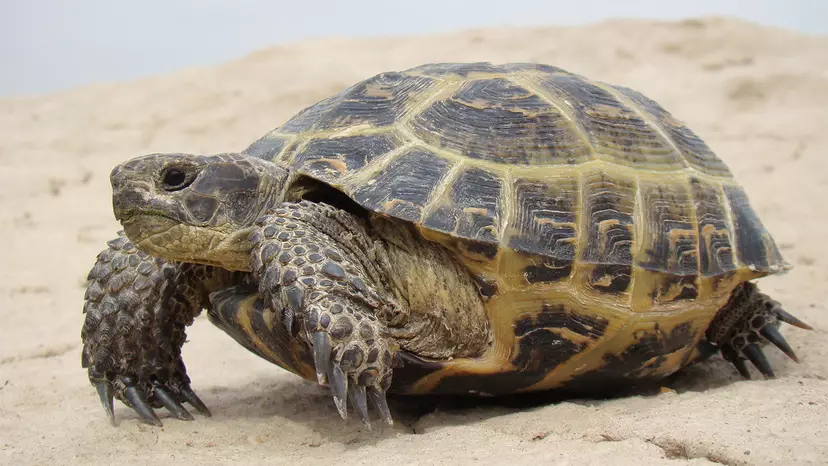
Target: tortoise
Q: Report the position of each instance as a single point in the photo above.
(454, 228)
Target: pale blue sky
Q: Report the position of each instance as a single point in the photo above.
(49, 45)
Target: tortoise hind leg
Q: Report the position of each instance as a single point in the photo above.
(748, 322)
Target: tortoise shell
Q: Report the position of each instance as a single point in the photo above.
(604, 233)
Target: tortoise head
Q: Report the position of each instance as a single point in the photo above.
(193, 208)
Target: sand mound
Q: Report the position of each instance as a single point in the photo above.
(758, 95)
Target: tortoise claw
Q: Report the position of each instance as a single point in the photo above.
(757, 357)
(321, 355)
(194, 400)
(737, 360)
(104, 389)
(742, 367)
(356, 393)
(288, 316)
(771, 333)
(168, 400)
(378, 399)
(339, 388)
(138, 401)
(784, 316)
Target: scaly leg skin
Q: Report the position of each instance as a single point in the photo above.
(137, 308)
(747, 322)
(318, 266)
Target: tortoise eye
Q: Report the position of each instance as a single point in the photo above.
(175, 179)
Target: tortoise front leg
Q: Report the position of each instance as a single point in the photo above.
(318, 268)
(137, 308)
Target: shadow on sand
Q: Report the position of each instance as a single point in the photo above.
(312, 406)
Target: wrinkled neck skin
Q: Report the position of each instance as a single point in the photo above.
(207, 218)
(446, 316)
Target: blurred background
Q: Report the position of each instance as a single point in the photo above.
(52, 45)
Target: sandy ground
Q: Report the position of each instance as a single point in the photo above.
(758, 95)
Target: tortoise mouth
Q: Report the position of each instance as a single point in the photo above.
(169, 239)
(144, 225)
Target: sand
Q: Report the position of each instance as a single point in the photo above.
(758, 95)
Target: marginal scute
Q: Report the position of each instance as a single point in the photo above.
(545, 227)
(756, 248)
(499, 121)
(715, 244)
(557, 317)
(668, 265)
(487, 288)
(541, 349)
(608, 209)
(549, 271)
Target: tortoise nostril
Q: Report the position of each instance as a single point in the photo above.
(127, 200)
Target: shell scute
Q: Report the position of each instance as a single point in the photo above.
(269, 146)
(695, 151)
(670, 238)
(756, 248)
(716, 255)
(455, 69)
(470, 208)
(403, 188)
(615, 130)
(499, 121)
(376, 102)
(545, 224)
(667, 264)
(609, 226)
(330, 158)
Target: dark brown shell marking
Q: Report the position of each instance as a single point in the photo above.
(541, 349)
